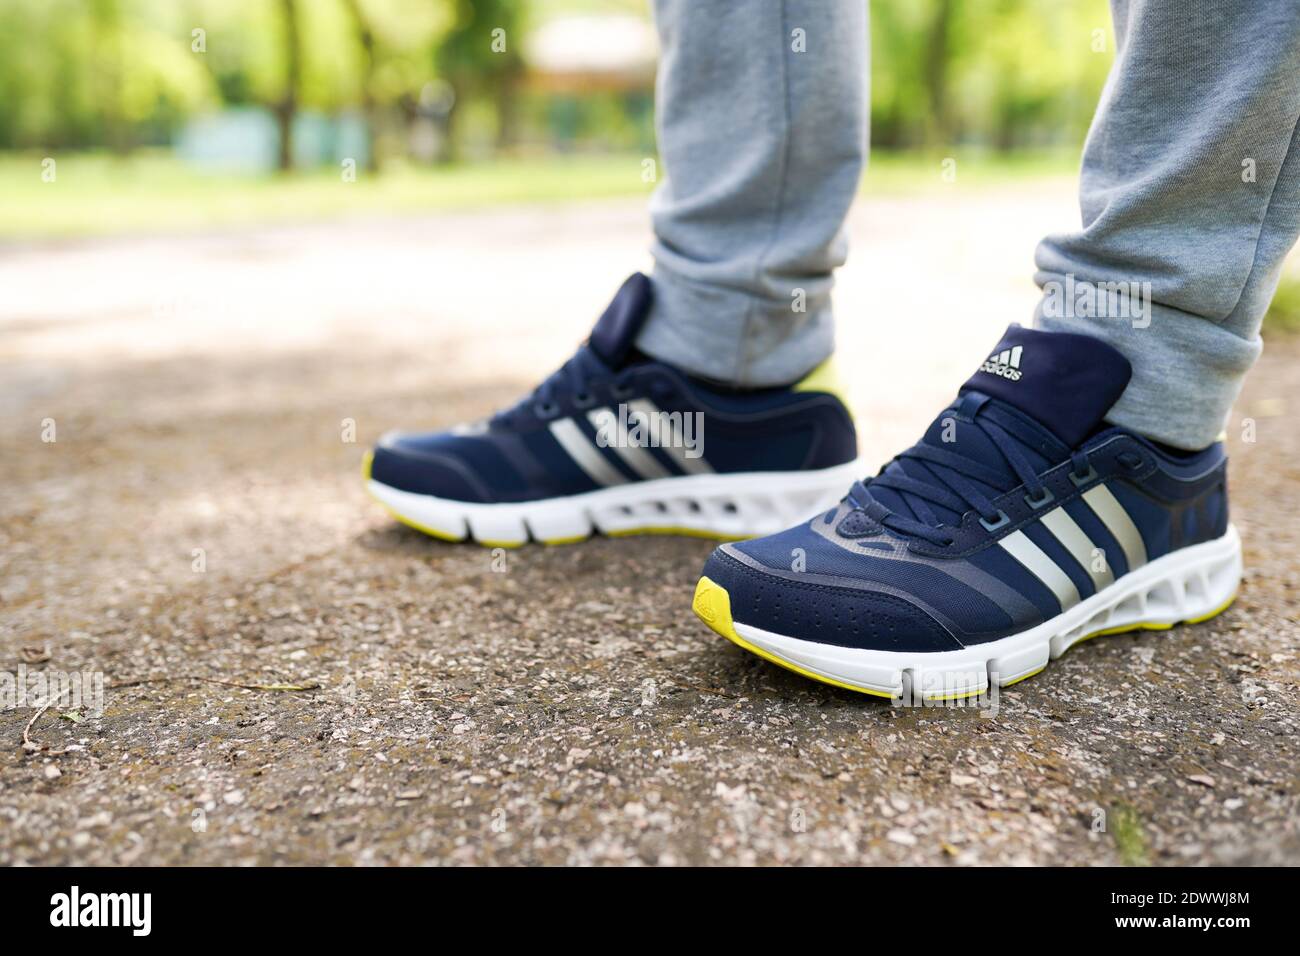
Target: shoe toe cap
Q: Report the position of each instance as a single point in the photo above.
(811, 607)
(419, 465)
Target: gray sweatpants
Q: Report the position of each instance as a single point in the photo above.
(1189, 192)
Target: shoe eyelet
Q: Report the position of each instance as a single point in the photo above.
(1002, 521)
(1045, 498)
(546, 410)
(621, 392)
(1087, 476)
(584, 400)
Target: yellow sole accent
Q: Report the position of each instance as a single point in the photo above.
(962, 696)
(1215, 613)
(712, 604)
(367, 463)
(1156, 625)
(1024, 676)
(576, 539)
(431, 532)
(1126, 629)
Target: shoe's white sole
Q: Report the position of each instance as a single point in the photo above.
(727, 506)
(1190, 585)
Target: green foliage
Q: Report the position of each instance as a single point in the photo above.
(1006, 73)
(483, 41)
(74, 72)
(121, 73)
(480, 56)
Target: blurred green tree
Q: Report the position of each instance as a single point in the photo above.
(480, 56)
(1001, 73)
(286, 107)
(365, 34)
(77, 73)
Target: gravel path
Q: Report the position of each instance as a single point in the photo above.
(199, 524)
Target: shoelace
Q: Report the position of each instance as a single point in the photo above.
(575, 377)
(951, 488)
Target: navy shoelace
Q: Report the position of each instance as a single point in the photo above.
(949, 486)
(574, 378)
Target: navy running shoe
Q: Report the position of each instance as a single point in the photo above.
(618, 443)
(1017, 527)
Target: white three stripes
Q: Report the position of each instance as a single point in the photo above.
(676, 447)
(1118, 523)
(1038, 564)
(586, 455)
(636, 457)
(598, 468)
(1081, 547)
(1065, 530)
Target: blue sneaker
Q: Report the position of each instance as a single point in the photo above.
(1018, 526)
(617, 443)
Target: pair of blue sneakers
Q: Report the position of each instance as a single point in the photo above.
(1019, 525)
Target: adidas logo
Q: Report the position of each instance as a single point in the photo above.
(1005, 363)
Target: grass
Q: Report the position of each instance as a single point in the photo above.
(95, 195)
(910, 173)
(1130, 836)
(101, 195)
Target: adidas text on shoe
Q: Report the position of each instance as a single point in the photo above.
(1005, 363)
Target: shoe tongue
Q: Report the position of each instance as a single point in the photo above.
(616, 330)
(1065, 382)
